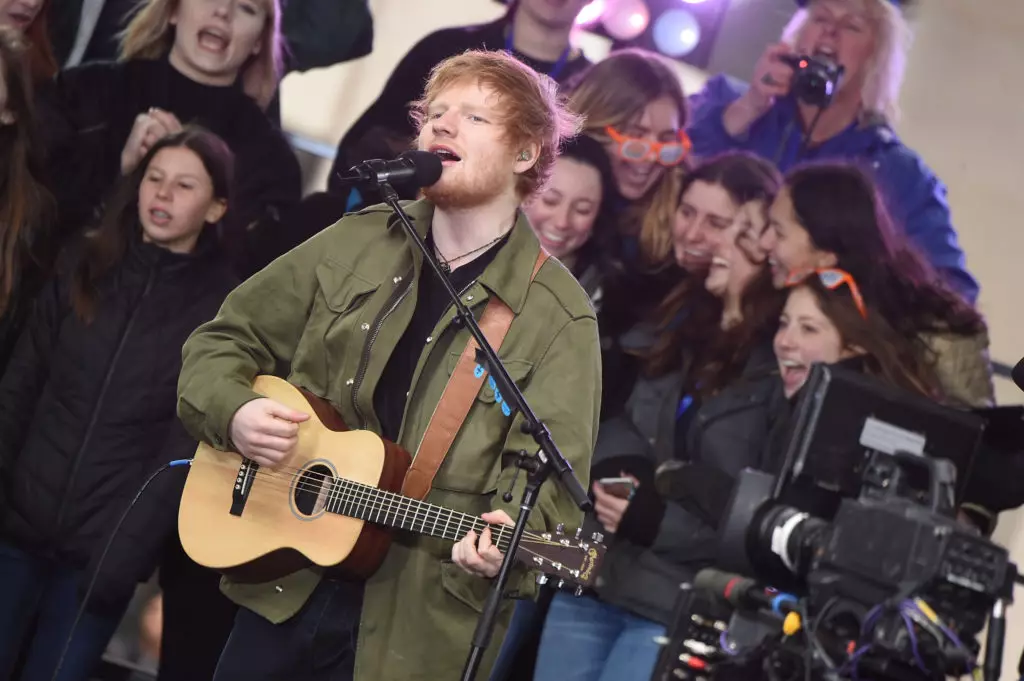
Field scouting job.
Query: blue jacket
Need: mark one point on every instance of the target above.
(915, 198)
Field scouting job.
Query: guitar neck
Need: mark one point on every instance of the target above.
(356, 500)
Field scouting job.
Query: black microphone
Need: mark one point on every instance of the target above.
(416, 168)
(742, 592)
(1018, 374)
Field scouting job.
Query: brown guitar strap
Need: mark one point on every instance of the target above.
(458, 396)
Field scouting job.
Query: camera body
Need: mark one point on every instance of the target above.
(815, 79)
(857, 546)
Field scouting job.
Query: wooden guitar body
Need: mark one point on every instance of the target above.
(333, 503)
(276, 533)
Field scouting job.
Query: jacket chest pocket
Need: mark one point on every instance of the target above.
(336, 322)
(475, 459)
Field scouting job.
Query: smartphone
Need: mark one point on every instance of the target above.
(619, 487)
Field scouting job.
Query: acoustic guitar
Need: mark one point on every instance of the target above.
(333, 503)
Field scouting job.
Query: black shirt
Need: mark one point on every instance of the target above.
(392, 391)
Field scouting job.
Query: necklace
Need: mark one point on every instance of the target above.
(446, 262)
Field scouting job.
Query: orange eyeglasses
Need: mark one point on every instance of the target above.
(638, 149)
(832, 279)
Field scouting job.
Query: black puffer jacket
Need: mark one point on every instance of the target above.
(663, 542)
(87, 412)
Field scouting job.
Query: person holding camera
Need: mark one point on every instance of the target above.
(790, 113)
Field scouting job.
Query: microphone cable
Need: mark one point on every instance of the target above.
(103, 556)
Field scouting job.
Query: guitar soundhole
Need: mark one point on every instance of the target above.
(311, 490)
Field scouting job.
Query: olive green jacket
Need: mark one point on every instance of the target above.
(327, 316)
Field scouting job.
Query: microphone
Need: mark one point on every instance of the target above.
(419, 167)
(743, 592)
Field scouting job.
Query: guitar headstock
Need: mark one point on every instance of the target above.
(572, 559)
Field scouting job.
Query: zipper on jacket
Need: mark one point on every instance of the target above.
(76, 464)
(396, 298)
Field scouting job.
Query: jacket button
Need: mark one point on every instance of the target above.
(430, 338)
(469, 298)
(350, 381)
(364, 326)
(397, 280)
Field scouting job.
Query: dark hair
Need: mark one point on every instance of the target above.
(717, 355)
(600, 248)
(888, 354)
(26, 206)
(107, 244)
(840, 207)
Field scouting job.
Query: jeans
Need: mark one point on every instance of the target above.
(587, 640)
(38, 603)
(317, 644)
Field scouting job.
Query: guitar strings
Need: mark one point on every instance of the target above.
(282, 482)
(274, 482)
(425, 507)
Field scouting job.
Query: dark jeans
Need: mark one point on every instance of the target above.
(317, 644)
(197, 618)
(38, 603)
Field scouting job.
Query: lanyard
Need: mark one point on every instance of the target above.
(556, 69)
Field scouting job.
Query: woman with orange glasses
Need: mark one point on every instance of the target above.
(635, 106)
(826, 321)
(830, 216)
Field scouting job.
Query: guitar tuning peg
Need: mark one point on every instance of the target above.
(561, 583)
(560, 528)
(579, 532)
(579, 591)
(598, 537)
(542, 579)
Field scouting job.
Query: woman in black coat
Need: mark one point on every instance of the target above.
(182, 61)
(87, 405)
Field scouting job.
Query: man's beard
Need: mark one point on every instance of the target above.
(463, 192)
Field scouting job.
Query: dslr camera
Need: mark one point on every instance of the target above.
(815, 78)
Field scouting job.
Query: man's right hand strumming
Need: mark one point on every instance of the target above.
(265, 431)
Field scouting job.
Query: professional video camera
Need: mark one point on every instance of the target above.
(815, 78)
(871, 574)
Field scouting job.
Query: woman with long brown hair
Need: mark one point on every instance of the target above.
(609, 635)
(635, 106)
(87, 405)
(30, 19)
(26, 207)
(831, 215)
(216, 64)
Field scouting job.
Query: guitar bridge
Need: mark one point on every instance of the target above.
(243, 484)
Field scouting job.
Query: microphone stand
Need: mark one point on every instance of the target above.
(547, 460)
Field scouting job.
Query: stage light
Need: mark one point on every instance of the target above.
(625, 19)
(694, 2)
(676, 33)
(590, 13)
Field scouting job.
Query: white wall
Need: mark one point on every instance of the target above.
(963, 112)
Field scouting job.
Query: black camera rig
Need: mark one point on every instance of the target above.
(851, 562)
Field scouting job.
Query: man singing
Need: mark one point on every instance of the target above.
(356, 317)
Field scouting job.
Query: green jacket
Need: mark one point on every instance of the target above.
(313, 316)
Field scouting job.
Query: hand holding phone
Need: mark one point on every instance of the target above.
(623, 487)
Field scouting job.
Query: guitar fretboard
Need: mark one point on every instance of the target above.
(356, 500)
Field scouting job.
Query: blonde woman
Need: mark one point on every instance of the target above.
(869, 39)
(634, 105)
(214, 62)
